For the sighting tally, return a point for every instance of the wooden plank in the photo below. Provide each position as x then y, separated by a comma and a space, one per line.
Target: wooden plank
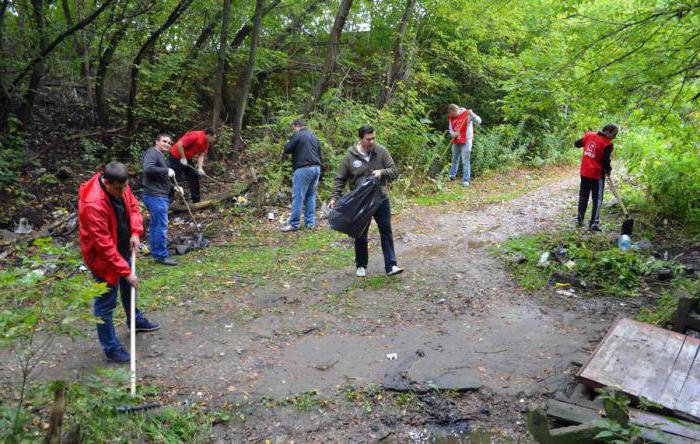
673, 426
661, 365
653, 426
646, 361
650, 353
606, 355
570, 413
689, 401
679, 373
615, 364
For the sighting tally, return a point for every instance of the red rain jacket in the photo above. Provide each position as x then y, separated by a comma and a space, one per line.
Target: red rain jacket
98, 230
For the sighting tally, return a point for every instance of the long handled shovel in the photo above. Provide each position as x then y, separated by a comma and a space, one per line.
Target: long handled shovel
200, 235
132, 327
628, 224
207, 176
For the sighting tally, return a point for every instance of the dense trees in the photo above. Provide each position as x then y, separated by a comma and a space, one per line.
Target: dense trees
537, 70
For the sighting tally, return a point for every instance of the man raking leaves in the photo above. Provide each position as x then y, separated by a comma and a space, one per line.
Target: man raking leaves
595, 166
110, 227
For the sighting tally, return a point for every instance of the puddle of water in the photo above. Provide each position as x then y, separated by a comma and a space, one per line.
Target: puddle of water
456, 433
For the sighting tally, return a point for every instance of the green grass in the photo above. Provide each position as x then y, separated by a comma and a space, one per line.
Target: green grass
91, 414
252, 261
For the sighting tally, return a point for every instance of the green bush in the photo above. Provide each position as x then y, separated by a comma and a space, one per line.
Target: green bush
667, 164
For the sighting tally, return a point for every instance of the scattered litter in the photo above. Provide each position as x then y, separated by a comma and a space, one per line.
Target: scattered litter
560, 255
664, 274
544, 259
519, 259
392, 356
624, 242
566, 292
570, 264
271, 216
23, 227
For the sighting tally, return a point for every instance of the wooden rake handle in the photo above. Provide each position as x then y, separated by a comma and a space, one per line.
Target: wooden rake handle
619, 200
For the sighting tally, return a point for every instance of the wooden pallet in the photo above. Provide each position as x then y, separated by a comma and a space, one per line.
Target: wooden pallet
576, 412
646, 361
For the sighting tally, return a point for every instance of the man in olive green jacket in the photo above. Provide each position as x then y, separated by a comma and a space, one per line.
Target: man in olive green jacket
365, 159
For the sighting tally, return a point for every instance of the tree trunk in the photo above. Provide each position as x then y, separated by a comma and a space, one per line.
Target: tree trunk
4, 93
398, 66
331, 57
180, 76
135, 66
48, 48
227, 90
105, 59
262, 76
25, 112
246, 80
81, 48
223, 54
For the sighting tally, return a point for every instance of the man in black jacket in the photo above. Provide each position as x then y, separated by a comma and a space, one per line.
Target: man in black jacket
307, 159
156, 195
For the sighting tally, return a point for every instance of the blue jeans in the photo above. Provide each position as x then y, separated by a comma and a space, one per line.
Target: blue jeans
104, 307
463, 150
383, 218
304, 185
158, 207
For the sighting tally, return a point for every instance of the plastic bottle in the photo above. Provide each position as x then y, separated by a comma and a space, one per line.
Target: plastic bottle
624, 242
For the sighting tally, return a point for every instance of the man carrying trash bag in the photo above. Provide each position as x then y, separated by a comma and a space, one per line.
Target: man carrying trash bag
367, 168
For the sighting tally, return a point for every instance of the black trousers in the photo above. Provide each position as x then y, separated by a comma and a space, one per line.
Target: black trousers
190, 173
593, 188
383, 218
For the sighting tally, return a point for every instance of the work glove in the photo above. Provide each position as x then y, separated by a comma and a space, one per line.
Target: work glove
377, 174
183, 161
200, 171
454, 134
178, 189
171, 172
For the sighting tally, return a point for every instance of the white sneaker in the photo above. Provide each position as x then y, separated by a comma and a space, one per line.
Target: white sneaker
361, 272
395, 270
465, 183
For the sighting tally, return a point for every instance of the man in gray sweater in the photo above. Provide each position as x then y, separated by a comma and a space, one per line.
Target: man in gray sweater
156, 195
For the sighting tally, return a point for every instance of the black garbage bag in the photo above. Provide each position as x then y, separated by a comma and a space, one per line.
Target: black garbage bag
353, 212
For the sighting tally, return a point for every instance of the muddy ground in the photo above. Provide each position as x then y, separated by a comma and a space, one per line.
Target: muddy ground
451, 348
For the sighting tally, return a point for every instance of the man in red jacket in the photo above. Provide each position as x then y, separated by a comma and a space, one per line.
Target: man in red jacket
110, 226
595, 166
194, 145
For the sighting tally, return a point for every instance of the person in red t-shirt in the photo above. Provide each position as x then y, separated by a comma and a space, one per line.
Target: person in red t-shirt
595, 166
194, 145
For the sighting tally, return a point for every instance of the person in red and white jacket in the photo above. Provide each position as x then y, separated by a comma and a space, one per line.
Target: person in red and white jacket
110, 225
461, 128
595, 166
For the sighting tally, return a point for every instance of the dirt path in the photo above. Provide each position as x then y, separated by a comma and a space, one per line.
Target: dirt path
455, 321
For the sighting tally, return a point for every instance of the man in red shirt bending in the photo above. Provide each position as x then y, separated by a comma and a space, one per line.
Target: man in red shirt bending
595, 166
194, 145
